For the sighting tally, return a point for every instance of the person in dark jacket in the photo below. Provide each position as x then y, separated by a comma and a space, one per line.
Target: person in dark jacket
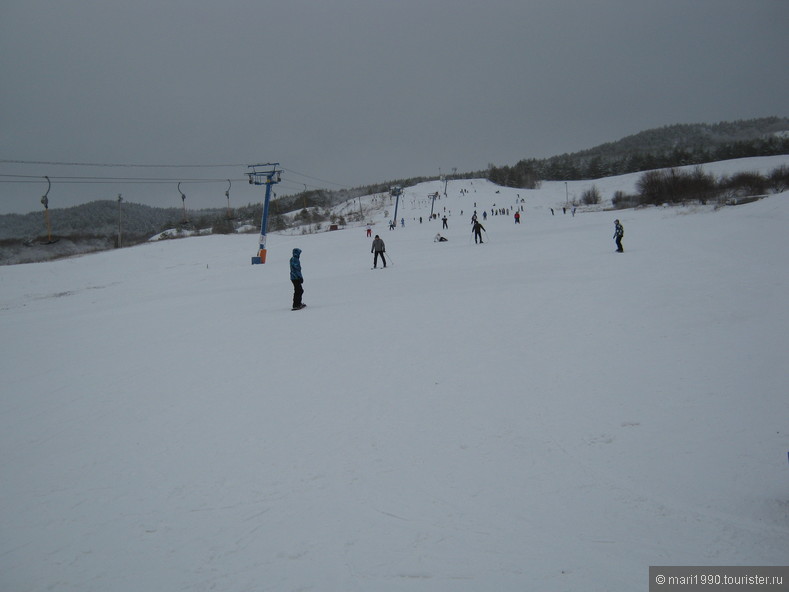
379, 249
297, 279
477, 229
619, 232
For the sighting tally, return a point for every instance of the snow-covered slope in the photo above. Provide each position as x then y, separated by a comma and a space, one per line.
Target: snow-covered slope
533, 413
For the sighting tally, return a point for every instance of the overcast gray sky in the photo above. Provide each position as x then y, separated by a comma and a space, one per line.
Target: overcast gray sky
348, 92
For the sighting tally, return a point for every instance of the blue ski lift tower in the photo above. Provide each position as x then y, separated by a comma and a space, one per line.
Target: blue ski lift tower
264, 174
396, 192
432, 202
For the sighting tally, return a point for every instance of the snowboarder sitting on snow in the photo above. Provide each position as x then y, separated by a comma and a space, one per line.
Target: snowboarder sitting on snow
439, 239
379, 249
297, 279
619, 232
478, 228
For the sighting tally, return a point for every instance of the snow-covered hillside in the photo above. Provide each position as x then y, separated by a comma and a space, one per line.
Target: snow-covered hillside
534, 413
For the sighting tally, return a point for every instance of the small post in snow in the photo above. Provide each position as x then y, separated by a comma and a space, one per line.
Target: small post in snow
120, 214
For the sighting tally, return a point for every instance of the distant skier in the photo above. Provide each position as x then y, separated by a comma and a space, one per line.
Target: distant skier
478, 229
297, 279
619, 233
369, 231
439, 239
378, 248
444, 222
517, 217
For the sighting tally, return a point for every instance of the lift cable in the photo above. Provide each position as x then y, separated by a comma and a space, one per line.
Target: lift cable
160, 166
314, 178
120, 165
94, 179
131, 165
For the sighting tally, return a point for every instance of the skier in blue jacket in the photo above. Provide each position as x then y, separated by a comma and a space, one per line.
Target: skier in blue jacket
297, 279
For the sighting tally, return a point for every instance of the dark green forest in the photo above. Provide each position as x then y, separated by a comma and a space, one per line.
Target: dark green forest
666, 147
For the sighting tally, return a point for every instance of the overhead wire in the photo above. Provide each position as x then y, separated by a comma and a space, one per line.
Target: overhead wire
164, 166
129, 165
288, 186
295, 186
94, 179
314, 178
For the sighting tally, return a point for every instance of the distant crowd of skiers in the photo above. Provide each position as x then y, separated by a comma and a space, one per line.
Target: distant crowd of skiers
378, 249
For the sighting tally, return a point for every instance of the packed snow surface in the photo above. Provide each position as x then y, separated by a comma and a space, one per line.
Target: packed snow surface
533, 413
